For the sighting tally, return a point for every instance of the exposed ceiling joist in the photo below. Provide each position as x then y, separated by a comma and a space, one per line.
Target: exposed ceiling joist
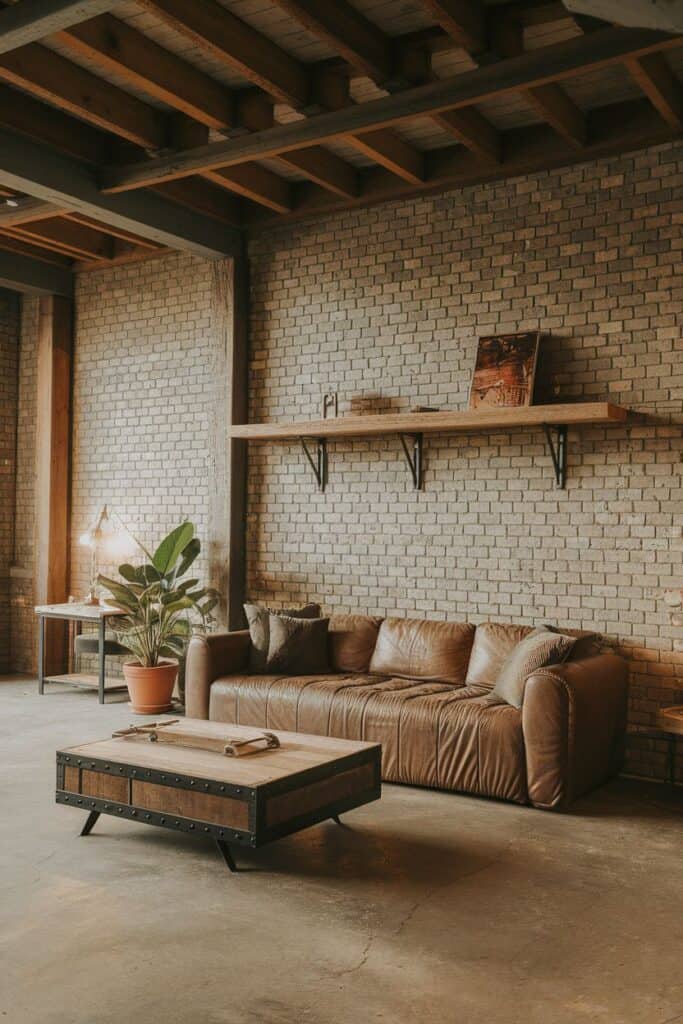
69, 87
29, 20
29, 167
463, 20
33, 276
660, 85
348, 32
529, 70
214, 29
116, 46
617, 128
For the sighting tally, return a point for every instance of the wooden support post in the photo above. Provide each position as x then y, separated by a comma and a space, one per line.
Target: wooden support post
228, 460
53, 443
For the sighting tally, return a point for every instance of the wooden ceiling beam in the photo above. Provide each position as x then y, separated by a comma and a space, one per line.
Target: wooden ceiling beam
24, 114
371, 52
660, 85
56, 80
29, 211
389, 150
346, 31
198, 195
473, 130
463, 20
615, 129
256, 183
116, 46
68, 238
326, 169
215, 29
29, 20
539, 67
26, 166
113, 232
32, 276
550, 101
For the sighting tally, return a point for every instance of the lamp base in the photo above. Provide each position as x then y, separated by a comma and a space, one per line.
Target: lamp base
91, 598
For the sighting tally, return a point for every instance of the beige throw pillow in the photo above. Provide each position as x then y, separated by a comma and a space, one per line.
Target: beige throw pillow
298, 647
535, 651
259, 631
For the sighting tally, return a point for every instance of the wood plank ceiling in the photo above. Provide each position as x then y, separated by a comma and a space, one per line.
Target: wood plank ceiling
128, 128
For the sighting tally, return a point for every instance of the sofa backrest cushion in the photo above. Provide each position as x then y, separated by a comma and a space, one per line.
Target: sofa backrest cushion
423, 649
493, 642
352, 640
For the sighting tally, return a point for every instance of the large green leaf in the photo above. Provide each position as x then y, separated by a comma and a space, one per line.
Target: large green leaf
190, 552
171, 547
122, 595
132, 573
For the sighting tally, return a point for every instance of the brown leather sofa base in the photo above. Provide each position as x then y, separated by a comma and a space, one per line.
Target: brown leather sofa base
432, 734
446, 733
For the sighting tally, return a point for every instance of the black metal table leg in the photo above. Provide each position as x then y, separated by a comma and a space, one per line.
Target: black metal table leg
101, 657
227, 855
41, 654
89, 822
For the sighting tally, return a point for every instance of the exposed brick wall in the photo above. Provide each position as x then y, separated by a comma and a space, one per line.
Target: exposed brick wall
23, 625
142, 395
9, 354
385, 306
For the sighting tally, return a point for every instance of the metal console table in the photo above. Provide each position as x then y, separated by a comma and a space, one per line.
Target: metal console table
78, 613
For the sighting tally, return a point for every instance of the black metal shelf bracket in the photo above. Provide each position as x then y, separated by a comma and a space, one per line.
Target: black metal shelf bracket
413, 453
557, 446
318, 461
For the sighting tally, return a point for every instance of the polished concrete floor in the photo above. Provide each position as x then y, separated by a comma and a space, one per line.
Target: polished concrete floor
426, 907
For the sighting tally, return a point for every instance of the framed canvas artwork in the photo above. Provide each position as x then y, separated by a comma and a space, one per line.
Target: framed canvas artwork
505, 369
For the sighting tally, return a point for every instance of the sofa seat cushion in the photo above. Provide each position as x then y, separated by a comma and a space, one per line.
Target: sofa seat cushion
423, 649
290, 703
432, 734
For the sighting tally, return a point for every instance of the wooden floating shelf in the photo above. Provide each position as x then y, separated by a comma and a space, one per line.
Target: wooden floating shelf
413, 425
434, 422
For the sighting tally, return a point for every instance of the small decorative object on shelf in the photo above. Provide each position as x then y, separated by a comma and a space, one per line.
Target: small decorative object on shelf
156, 623
330, 404
504, 370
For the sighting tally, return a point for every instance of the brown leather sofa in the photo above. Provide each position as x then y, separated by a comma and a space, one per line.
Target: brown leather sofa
423, 690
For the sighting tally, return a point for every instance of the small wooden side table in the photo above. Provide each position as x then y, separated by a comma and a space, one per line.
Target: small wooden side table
78, 613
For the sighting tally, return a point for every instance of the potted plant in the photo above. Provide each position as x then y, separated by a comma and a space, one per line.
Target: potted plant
161, 611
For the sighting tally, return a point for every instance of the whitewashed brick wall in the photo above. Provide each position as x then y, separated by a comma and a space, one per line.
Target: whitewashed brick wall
385, 306
142, 398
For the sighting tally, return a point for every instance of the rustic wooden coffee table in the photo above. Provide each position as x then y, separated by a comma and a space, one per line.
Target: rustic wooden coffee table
238, 801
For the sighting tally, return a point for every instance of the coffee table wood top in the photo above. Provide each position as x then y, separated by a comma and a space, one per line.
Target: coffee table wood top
297, 753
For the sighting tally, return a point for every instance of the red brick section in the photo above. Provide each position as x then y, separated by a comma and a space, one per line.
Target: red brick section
385, 307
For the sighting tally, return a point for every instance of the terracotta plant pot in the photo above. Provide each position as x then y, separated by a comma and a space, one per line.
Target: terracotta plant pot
150, 689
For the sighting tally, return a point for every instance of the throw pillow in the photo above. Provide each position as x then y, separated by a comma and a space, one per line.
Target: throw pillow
297, 647
257, 617
538, 649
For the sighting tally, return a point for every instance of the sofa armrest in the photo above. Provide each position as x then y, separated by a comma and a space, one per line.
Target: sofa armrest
208, 658
574, 724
